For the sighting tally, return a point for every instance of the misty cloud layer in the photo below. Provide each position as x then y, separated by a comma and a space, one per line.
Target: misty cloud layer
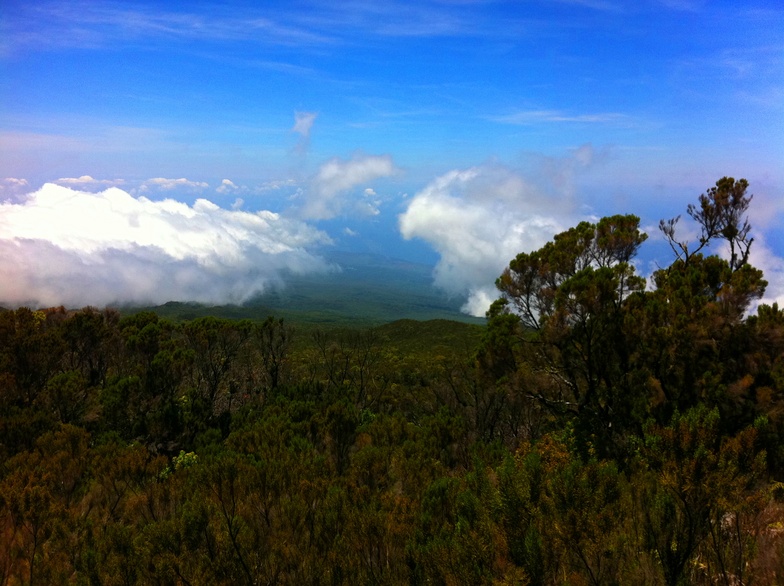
63, 246
477, 220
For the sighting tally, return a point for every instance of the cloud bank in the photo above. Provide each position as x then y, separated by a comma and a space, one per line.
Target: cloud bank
64, 246
477, 220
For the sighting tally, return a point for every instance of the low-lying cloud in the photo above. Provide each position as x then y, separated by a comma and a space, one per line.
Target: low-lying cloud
477, 220
63, 246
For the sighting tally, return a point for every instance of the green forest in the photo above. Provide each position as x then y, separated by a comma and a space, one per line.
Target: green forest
599, 428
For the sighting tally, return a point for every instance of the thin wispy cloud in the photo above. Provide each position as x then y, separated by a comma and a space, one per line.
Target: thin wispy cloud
398, 19
74, 138
11, 187
303, 124
86, 182
164, 184
530, 117
13, 183
600, 5
97, 24
683, 5
22, 141
277, 185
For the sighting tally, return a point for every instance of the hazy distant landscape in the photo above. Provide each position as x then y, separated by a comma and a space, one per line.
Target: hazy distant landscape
367, 290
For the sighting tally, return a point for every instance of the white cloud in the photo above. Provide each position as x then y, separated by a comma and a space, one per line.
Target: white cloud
331, 191
478, 220
303, 122
13, 182
165, 184
226, 186
772, 266
11, 186
276, 185
63, 246
86, 181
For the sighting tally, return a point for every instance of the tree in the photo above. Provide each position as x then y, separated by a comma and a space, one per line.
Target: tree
91, 337
720, 215
608, 353
216, 344
568, 297
272, 340
531, 282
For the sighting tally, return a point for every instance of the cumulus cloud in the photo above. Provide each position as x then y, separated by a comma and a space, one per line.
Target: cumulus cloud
332, 190
477, 220
64, 246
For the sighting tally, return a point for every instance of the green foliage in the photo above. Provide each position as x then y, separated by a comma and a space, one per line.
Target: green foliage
593, 432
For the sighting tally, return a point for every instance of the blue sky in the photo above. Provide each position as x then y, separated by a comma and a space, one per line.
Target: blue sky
453, 132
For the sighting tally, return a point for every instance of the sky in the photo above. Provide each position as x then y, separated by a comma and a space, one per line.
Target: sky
204, 151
